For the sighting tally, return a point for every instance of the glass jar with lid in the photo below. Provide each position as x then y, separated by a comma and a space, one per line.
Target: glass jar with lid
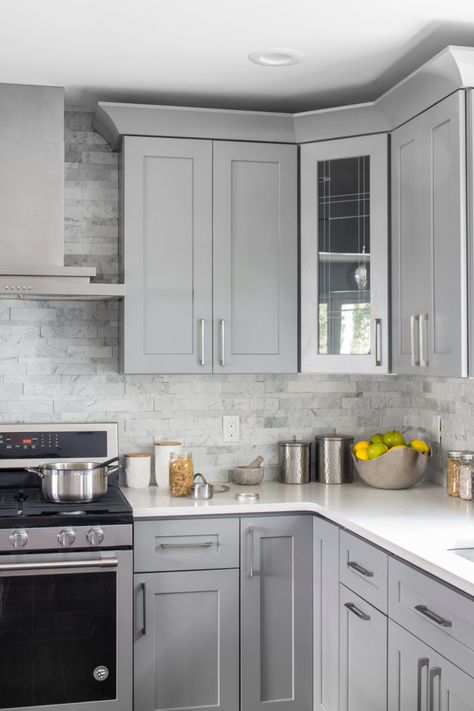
452, 472
465, 476
180, 473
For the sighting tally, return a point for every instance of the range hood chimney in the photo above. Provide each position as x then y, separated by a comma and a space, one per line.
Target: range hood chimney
32, 200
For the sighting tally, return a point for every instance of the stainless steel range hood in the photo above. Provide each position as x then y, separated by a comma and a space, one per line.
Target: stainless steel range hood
32, 200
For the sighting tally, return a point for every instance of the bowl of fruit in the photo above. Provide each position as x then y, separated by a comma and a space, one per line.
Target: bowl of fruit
389, 461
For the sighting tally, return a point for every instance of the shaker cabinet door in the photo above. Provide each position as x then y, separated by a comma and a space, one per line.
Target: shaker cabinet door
276, 613
167, 255
363, 654
187, 641
344, 256
429, 242
255, 258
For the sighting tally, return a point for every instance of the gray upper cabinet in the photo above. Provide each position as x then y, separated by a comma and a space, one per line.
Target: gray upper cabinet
429, 264
187, 641
255, 258
209, 223
167, 255
276, 613
344, 256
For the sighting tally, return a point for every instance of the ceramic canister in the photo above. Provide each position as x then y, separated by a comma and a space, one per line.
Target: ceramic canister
137, 470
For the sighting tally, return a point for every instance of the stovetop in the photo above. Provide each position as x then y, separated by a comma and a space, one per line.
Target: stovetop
21, 506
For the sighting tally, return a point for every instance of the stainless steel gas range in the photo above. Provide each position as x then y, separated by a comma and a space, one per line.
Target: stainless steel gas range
65, 579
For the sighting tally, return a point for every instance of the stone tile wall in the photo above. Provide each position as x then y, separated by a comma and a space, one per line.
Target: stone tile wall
59, 359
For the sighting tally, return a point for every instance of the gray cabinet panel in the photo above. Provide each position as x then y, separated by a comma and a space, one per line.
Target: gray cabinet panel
326, 615
186, 544
167, 215
429, 264
420, 679
363, 654
255, 258
187, 641
276, 613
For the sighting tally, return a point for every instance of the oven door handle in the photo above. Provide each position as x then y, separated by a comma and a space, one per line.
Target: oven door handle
62, 564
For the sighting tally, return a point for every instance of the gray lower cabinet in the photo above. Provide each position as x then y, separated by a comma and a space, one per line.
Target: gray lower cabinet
326, 615
209, 256
187, 640
363, 654
429, 243
420, 679
276, 613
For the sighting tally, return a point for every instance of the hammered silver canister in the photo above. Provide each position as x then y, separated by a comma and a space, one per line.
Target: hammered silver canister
294, 462
333, 459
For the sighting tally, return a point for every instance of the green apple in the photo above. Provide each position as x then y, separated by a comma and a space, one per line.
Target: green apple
392, 438
376, 450
376, 438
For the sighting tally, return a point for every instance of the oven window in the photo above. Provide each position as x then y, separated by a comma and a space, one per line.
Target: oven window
57, 639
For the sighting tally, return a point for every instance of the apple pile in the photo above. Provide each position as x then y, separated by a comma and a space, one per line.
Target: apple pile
381, 443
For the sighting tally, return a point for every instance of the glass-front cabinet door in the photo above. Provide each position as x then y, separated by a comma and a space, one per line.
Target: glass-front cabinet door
344, 255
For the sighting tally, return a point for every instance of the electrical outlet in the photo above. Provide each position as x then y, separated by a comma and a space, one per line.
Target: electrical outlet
231, 428
436, 429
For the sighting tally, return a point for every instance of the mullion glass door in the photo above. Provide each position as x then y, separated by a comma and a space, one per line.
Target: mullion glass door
343, 245
58, 639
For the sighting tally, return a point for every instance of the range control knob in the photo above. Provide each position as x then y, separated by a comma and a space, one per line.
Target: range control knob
66, 537
95, 536
19, 538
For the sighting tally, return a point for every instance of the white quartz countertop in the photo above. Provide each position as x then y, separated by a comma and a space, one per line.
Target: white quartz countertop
419, 524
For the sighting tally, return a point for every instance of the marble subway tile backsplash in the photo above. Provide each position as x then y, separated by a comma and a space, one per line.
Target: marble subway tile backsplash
59, 359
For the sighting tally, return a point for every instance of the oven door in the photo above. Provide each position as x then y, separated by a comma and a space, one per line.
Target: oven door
66, 631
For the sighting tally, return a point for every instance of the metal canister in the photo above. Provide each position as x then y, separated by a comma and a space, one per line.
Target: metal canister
333, 459
294, 461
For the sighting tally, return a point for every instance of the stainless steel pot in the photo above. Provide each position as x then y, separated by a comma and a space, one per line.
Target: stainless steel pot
74, 482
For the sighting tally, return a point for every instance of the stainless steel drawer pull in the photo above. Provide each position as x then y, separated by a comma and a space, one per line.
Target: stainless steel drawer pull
422, 325
362, 615
378, 341
143, 589
58, 565
205, 544
433, 616
202, 360
359, 569
413, 360
252, 551
422, 662
222, 342
435, 672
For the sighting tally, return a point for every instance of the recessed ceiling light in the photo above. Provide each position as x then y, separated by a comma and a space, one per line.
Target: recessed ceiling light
276, 57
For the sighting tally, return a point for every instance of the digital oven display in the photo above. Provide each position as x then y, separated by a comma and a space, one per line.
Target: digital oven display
60, 445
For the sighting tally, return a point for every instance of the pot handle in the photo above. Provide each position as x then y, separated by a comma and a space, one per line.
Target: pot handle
39, 472
111, 470
106, 463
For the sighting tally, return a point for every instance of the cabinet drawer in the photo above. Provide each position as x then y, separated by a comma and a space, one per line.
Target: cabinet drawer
363, 569
438, 615
186, 544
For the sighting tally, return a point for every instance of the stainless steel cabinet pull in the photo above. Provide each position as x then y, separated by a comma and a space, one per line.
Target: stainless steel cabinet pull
58, 565
222, 342
422, 322
433, 616
435, 672
362, 615
413, 319
205, 544
202, 360
422, 662
143, 589
252, 550
363, 571
378, 341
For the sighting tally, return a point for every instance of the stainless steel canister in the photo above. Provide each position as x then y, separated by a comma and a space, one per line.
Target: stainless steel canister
333, 459
294, 462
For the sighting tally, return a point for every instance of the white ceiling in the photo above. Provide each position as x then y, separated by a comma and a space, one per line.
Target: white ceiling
194, 52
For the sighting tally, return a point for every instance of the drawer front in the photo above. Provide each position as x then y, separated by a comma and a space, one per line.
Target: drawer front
186, 544
363, 569
436, 614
